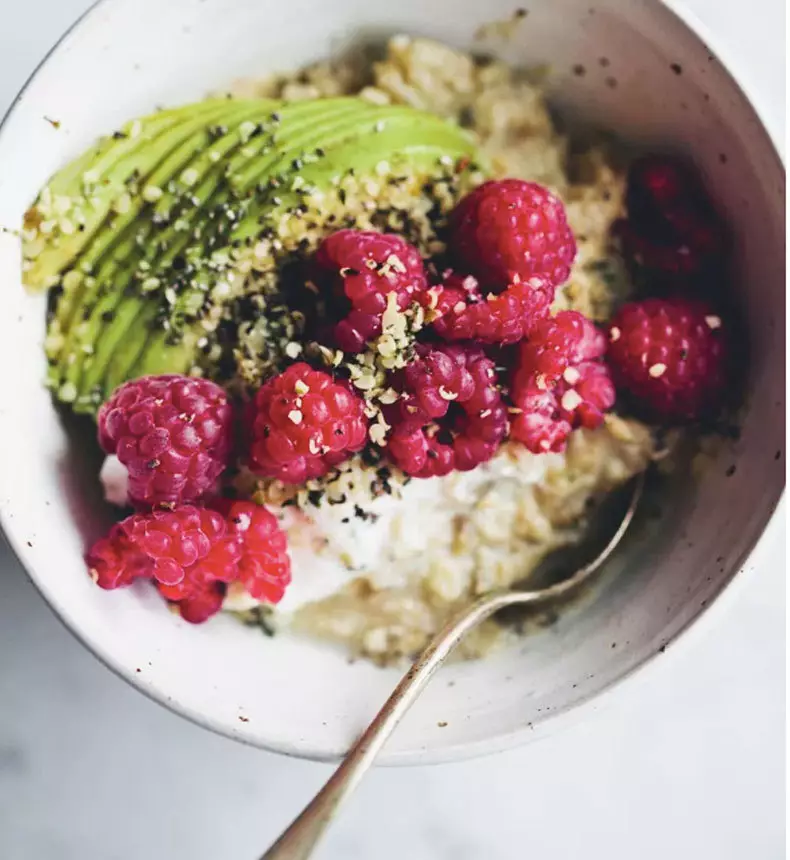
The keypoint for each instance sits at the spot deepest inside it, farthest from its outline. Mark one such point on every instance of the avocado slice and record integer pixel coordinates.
(168, 206)
(119, 339)
(138, 246)
(89, 195)
(171, 154)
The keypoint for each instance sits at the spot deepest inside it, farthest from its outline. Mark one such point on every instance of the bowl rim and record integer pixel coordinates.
(691, 632)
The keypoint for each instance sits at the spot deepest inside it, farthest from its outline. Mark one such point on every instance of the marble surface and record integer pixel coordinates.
(688, 763)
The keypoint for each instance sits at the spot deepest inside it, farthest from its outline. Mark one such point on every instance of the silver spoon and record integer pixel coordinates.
(617, 512)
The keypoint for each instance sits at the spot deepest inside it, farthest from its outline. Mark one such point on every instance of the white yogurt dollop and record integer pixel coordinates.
(115, 480)
(387, 538)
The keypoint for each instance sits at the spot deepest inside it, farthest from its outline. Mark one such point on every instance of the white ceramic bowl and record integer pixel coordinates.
(125, 57)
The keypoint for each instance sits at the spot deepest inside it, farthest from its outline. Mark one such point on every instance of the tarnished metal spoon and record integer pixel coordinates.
(548, 584)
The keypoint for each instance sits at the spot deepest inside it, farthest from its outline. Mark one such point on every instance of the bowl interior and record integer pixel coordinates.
(631, 67)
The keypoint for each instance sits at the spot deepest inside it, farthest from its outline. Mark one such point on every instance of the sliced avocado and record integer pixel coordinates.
(209, 160)
(94, 192)
(173, 195)
(121, 255)
(169, 155)
(130, 322)
(302, 122)
(296, 142)
(392, 135)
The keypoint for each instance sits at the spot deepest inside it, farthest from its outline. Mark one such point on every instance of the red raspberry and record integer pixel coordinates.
(591, 394)
(672, 230)
(557, 343)
(511, 230)
(505, 318)
(670, 355)
(193, 553)
(453, 416)
(201, 603)
(656, 184)
(540, 425)
(303, 423)
(189, 552)
(560, 382)
(440, 376)
(363, 268)
(173, 434)
(679, 259)
(264, 566)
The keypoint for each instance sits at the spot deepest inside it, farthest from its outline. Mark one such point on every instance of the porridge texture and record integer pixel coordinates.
(364, 296)
(380, 561)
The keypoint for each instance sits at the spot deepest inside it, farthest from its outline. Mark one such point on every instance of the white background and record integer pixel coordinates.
(687, 764)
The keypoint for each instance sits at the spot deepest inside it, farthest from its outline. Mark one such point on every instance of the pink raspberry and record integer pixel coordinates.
(440, 376)
(452, 416)
(202, 601)
(264, 566)
(363, 268)
(560, 382)
(192, 553)
(557, 343)
(461, 313)
(303, 423)
(508, 231)
(670, 355)
(540, 426)
(591, 394)
(188, 552)
(172, 433)
(657, 184)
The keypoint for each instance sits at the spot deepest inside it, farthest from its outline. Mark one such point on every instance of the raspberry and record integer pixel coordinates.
(193, 553)
(655, 184)
(172, 433)
(363, 268)
(440, 376)
(670, 355)
(264, 566)
(201, 603)
(188, 552)
(672, 230)
(591, 394)
(680, 258)
(540, 426)
(303, 423)
(511, 230)
(462, 314)
(560, 382)
(557, 343)
(452, 416)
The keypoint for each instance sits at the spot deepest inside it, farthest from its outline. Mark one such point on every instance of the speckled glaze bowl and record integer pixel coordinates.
(661, 86)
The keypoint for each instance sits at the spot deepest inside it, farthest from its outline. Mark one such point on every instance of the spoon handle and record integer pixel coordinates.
(299, 840)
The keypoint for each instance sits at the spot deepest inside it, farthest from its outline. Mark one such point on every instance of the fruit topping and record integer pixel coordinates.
(302, 423)
(461, 313)
(192, 553)
(670, 355)
(361, 268)
(560, 382)
(672, 231)
(264, 567)
(172, 433)
(508, 231)
(451, 416)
